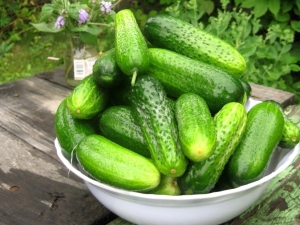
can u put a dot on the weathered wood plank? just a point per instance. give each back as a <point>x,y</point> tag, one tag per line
<point>37,189</point>
<point>27,110</point>
<point>262,93</point>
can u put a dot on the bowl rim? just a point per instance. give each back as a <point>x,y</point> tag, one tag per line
<point>71,166</point>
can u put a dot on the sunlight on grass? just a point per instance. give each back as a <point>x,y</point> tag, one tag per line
<point>29,56</point>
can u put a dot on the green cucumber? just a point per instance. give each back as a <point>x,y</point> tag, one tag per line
<point>106,72</point>
<point>196,127</point>
<point>87,99</point>
<point>290,136</point>
<point>115,165</point>
<point>130,44</point>
<point>201,177</point>
<point>291,132</point>
<point>157,121</point>
<point>117,123</point>
<point>70,131</point>
<point>165,31</point>
<point>247,88</point>
<point>167,186</point>
<point>179,74</point>
<point>262,134</point>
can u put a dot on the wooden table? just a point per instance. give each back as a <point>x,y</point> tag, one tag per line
<point>36,188</point>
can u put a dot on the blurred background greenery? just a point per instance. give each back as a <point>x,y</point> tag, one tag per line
<point>266,32</point>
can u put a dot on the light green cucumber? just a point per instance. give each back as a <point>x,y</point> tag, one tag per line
<point>130,44</point>
<point>115,165</point>
<point>196,127</point>
<point>201,177</point>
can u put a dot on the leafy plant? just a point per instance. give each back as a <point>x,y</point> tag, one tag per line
<point>269,57</point>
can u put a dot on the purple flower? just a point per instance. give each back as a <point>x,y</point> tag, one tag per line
<point>105,6</point>
<point>83,16</point>
<point>60,22</point>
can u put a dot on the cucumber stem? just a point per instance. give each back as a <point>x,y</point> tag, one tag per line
<point>134,75</point>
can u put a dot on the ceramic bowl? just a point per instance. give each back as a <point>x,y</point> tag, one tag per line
<point>200,209</point>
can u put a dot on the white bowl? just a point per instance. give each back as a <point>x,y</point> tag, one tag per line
<point>207,209</point>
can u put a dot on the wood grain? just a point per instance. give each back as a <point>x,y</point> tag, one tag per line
<point>37,189</point>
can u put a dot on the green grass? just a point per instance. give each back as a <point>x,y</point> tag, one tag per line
<point>29,57</point>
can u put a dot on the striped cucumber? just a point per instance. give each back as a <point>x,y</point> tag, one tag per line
<point>165,31</point>
<point>196,127</point>
<point>179,74</point>
<point>201,177</point>
<point>130,44</point>
<point>87,99</point>
<point>157,121</point>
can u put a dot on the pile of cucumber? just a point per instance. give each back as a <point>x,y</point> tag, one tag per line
<point>163,113</point>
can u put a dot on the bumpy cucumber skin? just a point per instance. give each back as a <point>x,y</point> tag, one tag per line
<point>165,31</point>
<point>290,136</point>
<point>106,72</point>
<point>157,121</point>
<point>180,74</point>
<point>117,123</point>
<point>201,177</point>
<point>196,127</point>
<point>87,99</point>
<point>115,165</point>
<point>70,131</point>
<point>262,134</point>
<point>130,44</point>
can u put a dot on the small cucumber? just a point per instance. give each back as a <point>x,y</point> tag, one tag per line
<point>262,134</point>
<point>196,127</point>
<point>118,124</point>
<point>290,136</point>
<point>87,99</point>
<point>165,31</point>
<point>106,72</point>
<point>201,177</point>
<point>157,121</point>
<point>179,74</point>
<point>167,186</point>
<point>115,165</point>
<point>70,131</point>
<point>130,44</point>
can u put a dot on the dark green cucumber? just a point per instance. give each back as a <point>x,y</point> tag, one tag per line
<point>157,121</point>
<point>87,99</point>
<point>201,177</point>
<point>291,132</point>
<point>180,74</point>
<point>165,31</point>
<point>115,165</point>
<point>130,44</point>
<point>247,88</point>
<point>106,72</point>
<point>70,131</point>
<point>167,186</point>
<point>196,127</point>
<point>262,134</point>
<point>118,124</point>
